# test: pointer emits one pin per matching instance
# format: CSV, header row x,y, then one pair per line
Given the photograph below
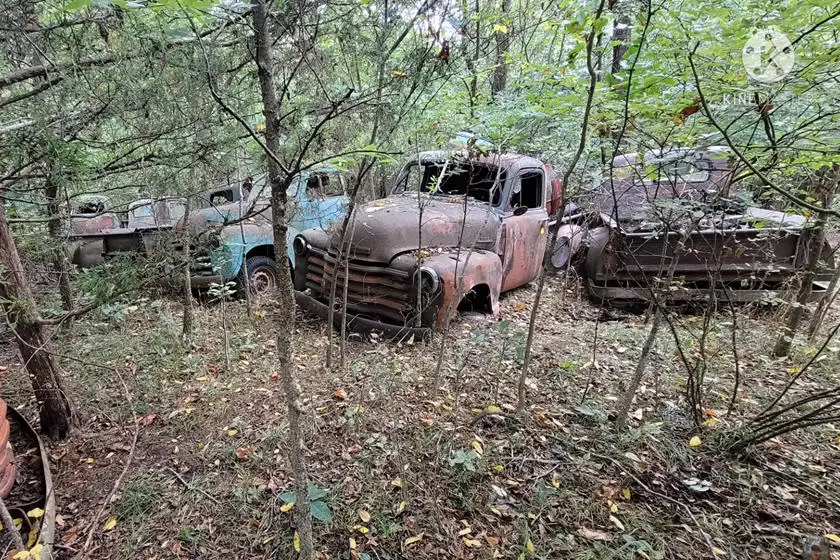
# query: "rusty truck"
x,y
104,235
670,224
457,230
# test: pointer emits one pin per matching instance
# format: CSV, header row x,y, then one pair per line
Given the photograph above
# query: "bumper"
x,y
203,281
600,293
358,324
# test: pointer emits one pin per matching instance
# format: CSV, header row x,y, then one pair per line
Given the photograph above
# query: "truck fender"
x,y
234,250
569,241
474,268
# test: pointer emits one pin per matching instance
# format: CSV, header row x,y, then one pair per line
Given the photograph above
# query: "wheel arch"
x,y
479,274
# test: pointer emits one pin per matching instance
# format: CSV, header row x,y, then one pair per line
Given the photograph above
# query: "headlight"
x,y
300,246
429,279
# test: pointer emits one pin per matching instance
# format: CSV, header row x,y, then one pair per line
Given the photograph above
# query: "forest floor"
x,y
406,471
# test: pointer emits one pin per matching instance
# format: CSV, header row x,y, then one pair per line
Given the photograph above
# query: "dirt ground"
x,y
403,470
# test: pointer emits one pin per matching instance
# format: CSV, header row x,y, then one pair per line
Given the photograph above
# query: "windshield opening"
x,y
478,181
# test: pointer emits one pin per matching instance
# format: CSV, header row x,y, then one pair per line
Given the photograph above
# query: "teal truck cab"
x,y
235,240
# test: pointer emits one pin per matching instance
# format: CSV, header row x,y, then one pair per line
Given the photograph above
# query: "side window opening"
x,y
528,190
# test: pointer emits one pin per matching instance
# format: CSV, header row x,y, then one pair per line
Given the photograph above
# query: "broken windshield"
x,y
478,181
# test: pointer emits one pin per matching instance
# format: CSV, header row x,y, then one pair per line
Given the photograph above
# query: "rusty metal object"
x,y
674,236
456,231
46,536
8,470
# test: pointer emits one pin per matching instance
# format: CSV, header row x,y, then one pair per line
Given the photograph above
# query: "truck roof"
x,y
506,160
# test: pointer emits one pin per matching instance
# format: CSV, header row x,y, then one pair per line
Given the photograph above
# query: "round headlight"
x,y
300,246
430,279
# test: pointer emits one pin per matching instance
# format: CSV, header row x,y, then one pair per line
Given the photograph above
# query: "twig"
x,y
10,524
120,478
191,487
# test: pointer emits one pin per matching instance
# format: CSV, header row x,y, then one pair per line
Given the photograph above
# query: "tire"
x,y
262,276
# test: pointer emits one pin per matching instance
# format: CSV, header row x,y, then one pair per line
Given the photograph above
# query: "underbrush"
x,y
410,470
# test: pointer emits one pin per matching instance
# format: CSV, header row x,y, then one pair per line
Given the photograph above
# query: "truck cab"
x,y
234,231
458,229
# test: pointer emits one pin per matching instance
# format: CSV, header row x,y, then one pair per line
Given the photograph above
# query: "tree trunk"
x,y
187,320
825,188
35,348
285,309
627,400
59,255
500,72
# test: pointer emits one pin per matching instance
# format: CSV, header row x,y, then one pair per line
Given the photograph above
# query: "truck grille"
x,y
372,287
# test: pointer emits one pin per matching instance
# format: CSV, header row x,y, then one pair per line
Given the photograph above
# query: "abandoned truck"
x,y
89,216
236,237
145,220
666,223
485,217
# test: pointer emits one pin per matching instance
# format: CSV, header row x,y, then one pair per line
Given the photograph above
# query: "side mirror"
x,y
519,210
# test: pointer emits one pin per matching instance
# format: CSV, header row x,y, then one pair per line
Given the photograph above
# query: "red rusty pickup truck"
x,y
457,230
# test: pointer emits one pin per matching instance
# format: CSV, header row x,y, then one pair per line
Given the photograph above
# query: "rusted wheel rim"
x,y
263,280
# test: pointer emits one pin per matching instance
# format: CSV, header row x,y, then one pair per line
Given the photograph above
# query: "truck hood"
x,y
388,227
206,218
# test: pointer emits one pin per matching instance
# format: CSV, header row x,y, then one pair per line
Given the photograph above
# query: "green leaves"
x,y
318,508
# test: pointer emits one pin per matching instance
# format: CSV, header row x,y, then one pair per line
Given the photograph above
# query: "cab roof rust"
x,y
507,161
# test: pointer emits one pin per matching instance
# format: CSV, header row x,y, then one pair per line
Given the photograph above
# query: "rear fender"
x,y
474,268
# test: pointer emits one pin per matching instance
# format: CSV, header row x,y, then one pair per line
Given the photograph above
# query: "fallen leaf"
x,y
626,493
465,531
718,552
243,454
554,481
529,546
411,540
232,432
287,507
695,442
401,507
833,538
492,409
613,506
297,542
35,513
633,457
110,523
340,394
352,543
477,446
617,522
472,543
594,535
362,529
364,516
396,483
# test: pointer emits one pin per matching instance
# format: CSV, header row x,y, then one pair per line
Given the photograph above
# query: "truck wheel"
x,y
262,276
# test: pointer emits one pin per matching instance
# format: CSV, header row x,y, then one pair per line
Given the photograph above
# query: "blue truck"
x,y
234,235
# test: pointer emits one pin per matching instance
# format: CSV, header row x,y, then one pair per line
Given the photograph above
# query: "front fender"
x,y
235,244
460,273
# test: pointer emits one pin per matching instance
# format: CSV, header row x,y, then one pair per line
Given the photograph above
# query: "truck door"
x,y
324,202
524,228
